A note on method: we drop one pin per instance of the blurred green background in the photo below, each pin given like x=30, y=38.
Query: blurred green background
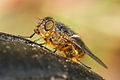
x=96, y=21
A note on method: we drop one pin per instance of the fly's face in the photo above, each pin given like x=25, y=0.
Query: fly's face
x=45, y=27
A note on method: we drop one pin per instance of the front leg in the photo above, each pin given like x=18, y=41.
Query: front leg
x=27, y=36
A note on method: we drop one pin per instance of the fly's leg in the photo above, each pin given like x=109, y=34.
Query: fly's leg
x=27, y=36
x=83, y=64
x=55, y=50
x=65, y=48
x=78, y=58
x=47, y=38
x=38, y=39
x=59, y=47
x=35, y=32
x=31, y=35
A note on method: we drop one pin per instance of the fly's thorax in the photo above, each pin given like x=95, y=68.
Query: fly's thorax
x=63, y=28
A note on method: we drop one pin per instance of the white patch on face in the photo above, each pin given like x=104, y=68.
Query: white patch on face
x=75, y=35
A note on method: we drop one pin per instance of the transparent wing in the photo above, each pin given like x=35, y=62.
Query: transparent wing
x=78, y=42
x=87, y=51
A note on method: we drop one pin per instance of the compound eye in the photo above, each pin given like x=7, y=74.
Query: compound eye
x=49, y=25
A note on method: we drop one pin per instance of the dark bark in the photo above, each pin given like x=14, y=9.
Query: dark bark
x=22, y=59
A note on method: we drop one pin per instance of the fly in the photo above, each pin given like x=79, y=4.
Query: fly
x=62, y=38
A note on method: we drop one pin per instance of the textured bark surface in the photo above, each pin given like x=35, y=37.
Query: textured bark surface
x=21, y=59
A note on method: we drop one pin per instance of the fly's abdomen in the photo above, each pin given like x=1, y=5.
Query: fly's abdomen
x=70, y=52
